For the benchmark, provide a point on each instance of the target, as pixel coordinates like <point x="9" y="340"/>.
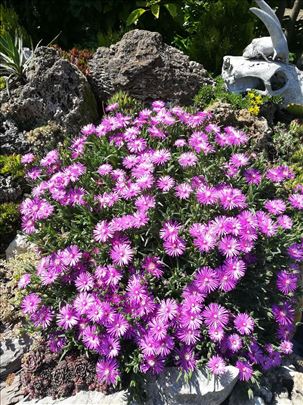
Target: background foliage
<point x="205" y="30"/>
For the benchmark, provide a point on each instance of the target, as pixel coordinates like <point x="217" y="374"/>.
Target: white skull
<point x="268" y="78"/>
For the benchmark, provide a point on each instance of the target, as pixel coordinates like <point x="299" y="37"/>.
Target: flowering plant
<point x="163" y="241"/>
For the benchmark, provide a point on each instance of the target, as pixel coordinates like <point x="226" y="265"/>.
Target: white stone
<point x="268" y="78"/>
<point x="166" y="389"/>
<point x="11" y="352"/>
<point x="254" y="70"/>
<point x="83" y="398"/>
<point x="274" y="46"/>
<point x="19" y="245"/>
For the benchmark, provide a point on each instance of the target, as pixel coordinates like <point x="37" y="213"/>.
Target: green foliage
<point x="9" y="220"/>
<point x="11" y="165"/>
<point x="208" y="95"/>
<point x="84" y="22"/>
<point x="297" y="165"/>
<point x="127" y="104"/>
<point x="296" y="110"/>
<point x="216" y="29"/>
<point x="2" y="83"/>
<point x="12" y="57"/>
<point x="9" y="23"/>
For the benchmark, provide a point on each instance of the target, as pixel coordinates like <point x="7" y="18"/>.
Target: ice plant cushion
<point x="163" y="241"/>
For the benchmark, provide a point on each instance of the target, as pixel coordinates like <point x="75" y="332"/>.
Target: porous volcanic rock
<point x="146" y="68"/>
<point x="52" y="90"/>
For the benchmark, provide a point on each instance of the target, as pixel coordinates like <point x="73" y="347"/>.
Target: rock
<point x="11" y="393"/>
<point x="256" y="127"/>
<point x="84" y="398"/>
<point x="297" y="391"/>
<point x="166" y="389"/>
<point x="19" y="245"/>
<point x="11" y="352"/>
<point x="10" y="190"/>
<point x="239" y="397"/>
<point x="53" y="90"/>
<point x="12" y="140"/>
<point x="145" y="67"/>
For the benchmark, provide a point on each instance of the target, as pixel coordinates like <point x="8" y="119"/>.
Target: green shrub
<point x="9" y="220"/>
<point x="208" y="95"/>
<point x="11" y="165"/>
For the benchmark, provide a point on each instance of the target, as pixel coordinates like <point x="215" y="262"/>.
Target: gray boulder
<point x="145" y="67"/>
<point x="83" y="398"/>
<point x="53" y="90"/>
<point x="11" y="352"/>
<point x="167" y="389"/>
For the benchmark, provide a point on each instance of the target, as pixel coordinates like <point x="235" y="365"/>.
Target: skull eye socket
<point x="250" y="82"/>
<point x="278" y="80"/>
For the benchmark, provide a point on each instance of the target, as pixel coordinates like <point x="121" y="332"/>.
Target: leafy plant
<point x="157" y="231"/>
<point x="9" y="221"/>
<point x="154" y="7"/>
<point x="208" y="95"/>
<point x="11" y="165"/>
<point x="13" y="57"/>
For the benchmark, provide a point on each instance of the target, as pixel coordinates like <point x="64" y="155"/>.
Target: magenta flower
<point x="215" y="315"/>
<point x="107" y="371"/>
<point x="244" y="324"/>
<point x="71" y="255"/>
<point x="234" y="343"/>
<point x="286" y="347"/>
<point x="183" y="191"/>
<point x="67" y="317"/>
<point x="296" y="200"/>
<point x="121" y="253"/>
<point x="284" y="314"/>
<point x="169" y="231"/>
<point x="174" y="248"/>
<point x="275" y="207"/>
<point x="253" y="176"/>
<point x="153" y="266"/>
<point x="168" y="310"/>
<point x="24" y="280"/>
<point x="165" y="183"/>
<point x="245" y="370"/>
<point x="287" y="282"/>
<point x="186" y="358"/>
<point x="216" y="365"/>
<point x="30" y="303"/>
<point x="103" y="231"/>
<point x="27" y="158"/>
<point x="229" y="246"/>
<point x="187" y="159"/>
<point x="206" y="280"/>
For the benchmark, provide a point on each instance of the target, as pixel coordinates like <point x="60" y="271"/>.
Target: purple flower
<point x="253" y="176"/>
<point x="174" y="248"/>
<point x="284" y="314"/>
<point x="121" y="253"/>
<point x="296" y="200"/>
<point x="24" y="280"/>
<point x="107" y="371"/>
<point x="153" y="266"/>
<point x="206" y="280"/>
<point x="287" y="282"/>
<point x="216" y="365"/>
<point x="67" y="317"/>
<point x="30" y="303"/>
<point x="165" y="183"/>
<point x="244" y="324"/>
<point x="215" y="315"/>
<point x="187" y="159"/>
<point x="245" y="370"/>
